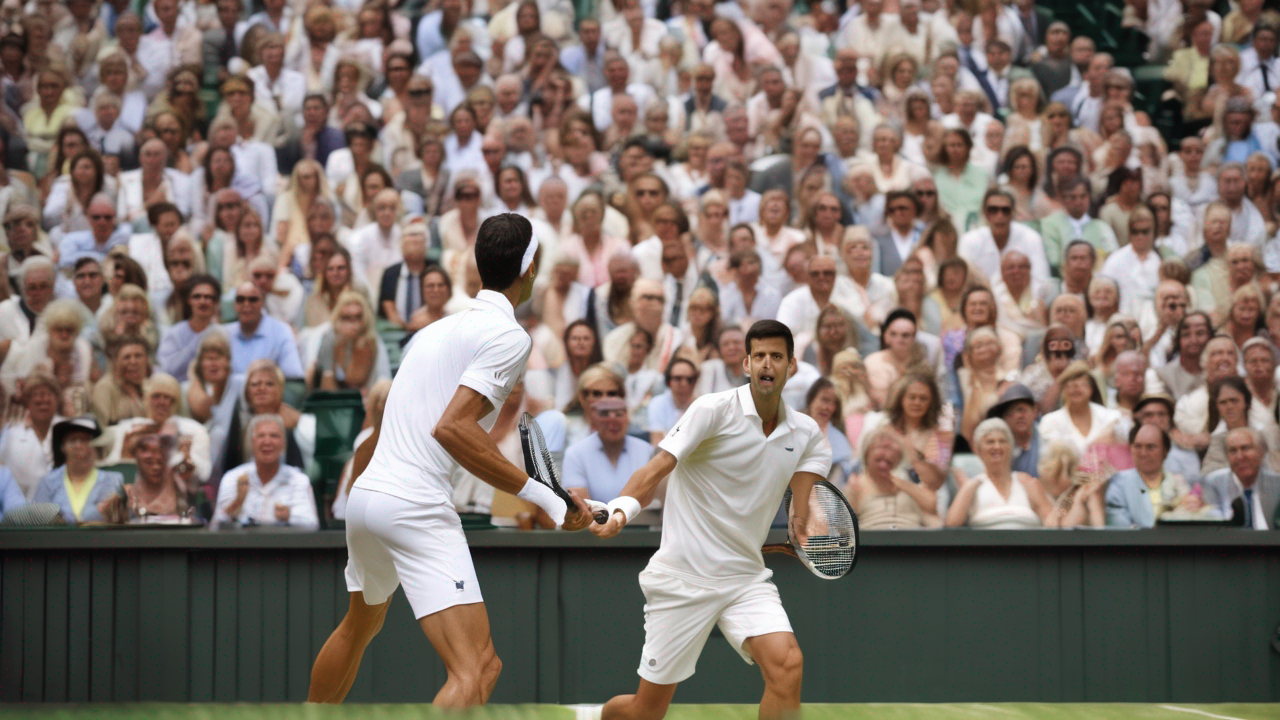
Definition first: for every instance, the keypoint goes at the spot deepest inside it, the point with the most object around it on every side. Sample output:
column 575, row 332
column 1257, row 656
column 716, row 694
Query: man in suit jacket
column 1128, row 498
column 315, row 140
column 1244, row 490
column 901, row 234
column 847, row 98
column 1056, row 70
column 704, row 110
column 1000, row 75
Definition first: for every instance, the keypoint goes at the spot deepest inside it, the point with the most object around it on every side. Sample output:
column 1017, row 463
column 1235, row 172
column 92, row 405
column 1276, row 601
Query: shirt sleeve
column 226, row 493
column 698, row 423
column 302, row 511
column 496, row 368
column 817, row 456
column 575, row 471
column 290, row 362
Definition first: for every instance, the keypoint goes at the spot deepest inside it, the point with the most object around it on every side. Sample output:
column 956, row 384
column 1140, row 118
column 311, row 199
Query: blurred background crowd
column 1028, row 250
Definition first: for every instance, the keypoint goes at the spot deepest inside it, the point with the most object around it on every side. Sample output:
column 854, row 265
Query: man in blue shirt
column 102, row 235
column 257, row 335
column 600, row 464
column 1017, row 407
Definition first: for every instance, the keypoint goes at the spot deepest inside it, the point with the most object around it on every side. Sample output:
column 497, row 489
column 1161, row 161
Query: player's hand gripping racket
column 539, row 466
column 830, row 549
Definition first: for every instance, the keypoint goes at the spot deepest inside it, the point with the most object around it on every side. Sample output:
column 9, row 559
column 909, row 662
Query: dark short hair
column 190, row 284
column 666, row 375
column 158, row 210
column 898, row 314
column 1093, row 251
column 500, row 246
column 764, row 329
column 1164, row 437
column 900, row 194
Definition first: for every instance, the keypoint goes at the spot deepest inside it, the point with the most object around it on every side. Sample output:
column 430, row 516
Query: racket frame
column 531, row 433
column 790, row 548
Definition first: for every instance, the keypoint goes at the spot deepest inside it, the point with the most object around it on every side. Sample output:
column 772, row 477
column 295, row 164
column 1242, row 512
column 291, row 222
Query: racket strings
column 544, row 465
column 830, row 545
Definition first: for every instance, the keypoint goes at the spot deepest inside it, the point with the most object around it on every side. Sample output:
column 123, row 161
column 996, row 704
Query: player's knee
column 784, row 672
column 492, row 669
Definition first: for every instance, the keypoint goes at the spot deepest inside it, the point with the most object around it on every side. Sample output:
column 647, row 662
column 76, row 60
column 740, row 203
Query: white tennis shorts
column 393, row 542
column 679, row 615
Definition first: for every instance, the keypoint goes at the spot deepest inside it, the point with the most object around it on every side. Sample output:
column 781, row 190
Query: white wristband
column 629, row 506
column 543, row 496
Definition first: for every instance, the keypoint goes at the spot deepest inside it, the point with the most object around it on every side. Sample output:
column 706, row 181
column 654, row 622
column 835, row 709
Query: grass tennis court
column 876, row 711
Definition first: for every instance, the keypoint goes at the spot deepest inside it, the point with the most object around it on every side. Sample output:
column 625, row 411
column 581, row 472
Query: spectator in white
column 130, row 106
column 1210, row 273
column 969, row 115
column 1136, row 266
column 725, row 372
column 152, row 183
column 400, row 292
column 1129, row 372
column 799, row 309
column 1139, row 496
column 462, row 146
column 586, row 60
column 1086, row 103
column 984, row 247
column 1082, row 422
column 1160, row 320
column 438, row 26
column 255, row 175
column 1078, row 262
column 665, row 410
column 599, row 465
column 746, row 299
column 56, row 345
column 1022, row 301
column 872, row 32
column 999, row 498
column 376, row 246
column 744, row 203
column 617, row 72
column 1000, row 74
column 454, row 83
column 163, row 400
column 647, row 302
column 1245, row 491
column 150, row 249
column 680, row 277
column 866, row 295
column 1073, row 222
column 1247, row 223
column 266, row 491
column 19, row 313
column 282, row 289
column 102, row 235
column 276, row 87
column 1259, row 67
column 26, row 446
column 1260, row 372
column 1221, row 359
column 256, row 335
column 169, row 45
column 1193, row 185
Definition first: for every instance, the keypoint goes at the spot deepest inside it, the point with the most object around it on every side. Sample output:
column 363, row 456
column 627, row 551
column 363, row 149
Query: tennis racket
column 539, row 465
column 831, row 549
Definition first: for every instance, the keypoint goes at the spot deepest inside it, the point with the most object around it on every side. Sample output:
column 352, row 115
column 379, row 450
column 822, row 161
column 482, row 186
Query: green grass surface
column 961, row 711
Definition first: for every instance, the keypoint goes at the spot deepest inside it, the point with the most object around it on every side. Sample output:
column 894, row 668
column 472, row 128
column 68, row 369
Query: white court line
column 1198, row 712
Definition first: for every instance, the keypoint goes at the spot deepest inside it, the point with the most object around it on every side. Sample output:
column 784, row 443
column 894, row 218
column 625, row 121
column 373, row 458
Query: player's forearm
column 475, row 451
column 644, row 482
column 801, row 490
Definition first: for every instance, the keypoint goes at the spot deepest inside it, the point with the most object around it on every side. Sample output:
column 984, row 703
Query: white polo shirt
column 728, row 484
column 482, row 348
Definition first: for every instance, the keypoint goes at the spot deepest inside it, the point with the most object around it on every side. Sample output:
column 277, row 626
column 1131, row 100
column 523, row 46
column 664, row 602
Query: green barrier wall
column 1101, row 616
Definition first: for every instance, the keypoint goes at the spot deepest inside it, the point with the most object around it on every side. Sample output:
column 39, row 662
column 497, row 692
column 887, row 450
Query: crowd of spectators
column 1016, row 301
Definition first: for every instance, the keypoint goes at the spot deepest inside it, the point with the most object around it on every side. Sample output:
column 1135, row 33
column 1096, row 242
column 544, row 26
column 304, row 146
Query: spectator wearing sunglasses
column 984, row 247
column 599, row 465
column 666, row 409
column 103, row 234
column 255, row 335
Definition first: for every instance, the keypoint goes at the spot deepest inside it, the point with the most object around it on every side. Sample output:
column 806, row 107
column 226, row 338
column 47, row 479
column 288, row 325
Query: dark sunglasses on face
column 1062, row 354
column 597, row 394
column 251, row 299
column 999, row 210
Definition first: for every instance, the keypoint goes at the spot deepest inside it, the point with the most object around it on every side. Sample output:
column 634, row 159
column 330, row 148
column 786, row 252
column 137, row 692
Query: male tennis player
column 402, row 528
column 731, row 458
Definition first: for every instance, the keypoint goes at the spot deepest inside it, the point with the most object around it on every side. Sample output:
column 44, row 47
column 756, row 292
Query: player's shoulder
column 803, row 423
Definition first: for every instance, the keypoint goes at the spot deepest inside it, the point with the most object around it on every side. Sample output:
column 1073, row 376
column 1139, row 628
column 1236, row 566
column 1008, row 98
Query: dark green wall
column 926, row 617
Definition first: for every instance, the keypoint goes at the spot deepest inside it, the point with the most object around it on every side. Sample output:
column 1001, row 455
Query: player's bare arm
column 639, row 489
column 460, row 434
column 801, row 490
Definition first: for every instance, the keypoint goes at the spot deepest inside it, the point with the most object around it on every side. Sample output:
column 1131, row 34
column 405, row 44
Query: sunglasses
column 102, row 217
column 1061, row 354
column 822, row 273
column 999, row 210
column 927, row 193
column 251, row 299
column 180, row 264
column 597, row 394
column 469, row 196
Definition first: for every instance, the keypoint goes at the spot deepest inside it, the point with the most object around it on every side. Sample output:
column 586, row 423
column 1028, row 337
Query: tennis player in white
column 731, row 457
column 402, row 528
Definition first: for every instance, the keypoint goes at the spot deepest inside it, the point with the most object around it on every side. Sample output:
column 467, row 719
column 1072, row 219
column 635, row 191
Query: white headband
column 529, row 252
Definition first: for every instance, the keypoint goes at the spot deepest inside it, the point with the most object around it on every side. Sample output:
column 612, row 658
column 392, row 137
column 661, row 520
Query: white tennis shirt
column 728, row 483
column 483, row 348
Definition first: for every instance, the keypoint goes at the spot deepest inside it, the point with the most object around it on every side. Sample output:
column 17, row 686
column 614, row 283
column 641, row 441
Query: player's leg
column 782, row 665
column 756, row 625
column 371, row 578
column 460, row 634
column 649, row 703
column 339, row 660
